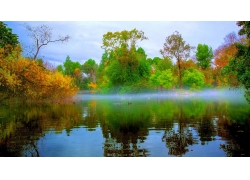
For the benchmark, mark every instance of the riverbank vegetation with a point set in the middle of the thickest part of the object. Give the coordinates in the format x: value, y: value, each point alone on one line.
x: 29, y: 80
x: 125, y: 67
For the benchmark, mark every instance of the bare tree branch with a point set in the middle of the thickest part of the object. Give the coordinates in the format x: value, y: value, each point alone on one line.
x: 42, y: 35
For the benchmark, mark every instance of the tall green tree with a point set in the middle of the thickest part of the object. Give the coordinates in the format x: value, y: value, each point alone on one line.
x: 204, y: 56
x: 176, y: 47
x: 90, y: 68
x: 111, y: 40
x: 70, y: 66
x: 74, y: 70
x: 125, y: 65
x: 240, y: 64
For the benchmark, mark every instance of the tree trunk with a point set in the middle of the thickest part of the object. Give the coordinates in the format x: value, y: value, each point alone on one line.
x: 179, y: 68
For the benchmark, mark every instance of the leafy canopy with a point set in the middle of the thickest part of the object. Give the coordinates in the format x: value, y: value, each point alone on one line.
x: 204, y: 56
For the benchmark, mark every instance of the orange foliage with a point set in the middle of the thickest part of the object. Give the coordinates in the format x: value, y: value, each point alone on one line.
x: 225, y: 52
x: 29, y: 80
x: 77, y: 73
x: 209, y: 76
x: 188, y: 64
x: 223, y: 55
x: 93, y: 86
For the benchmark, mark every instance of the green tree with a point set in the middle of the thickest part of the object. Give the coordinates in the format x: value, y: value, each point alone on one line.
x: 70, y: 66
x: 7, y: 37
x: 74, y: 70
x: 166, y: 79
x: 245, y: 29
x: 162, y: 79
x: 165, y: 64
x: 8, y: 40
x: 204, y: 56
x: 154, y: 78
x: 239, y: 65
x: 193, y: 78
x: 176, y: 47
x: 60, y: 69
x: 90, y: 68
x: 124, y: 64
x: 111, y: 40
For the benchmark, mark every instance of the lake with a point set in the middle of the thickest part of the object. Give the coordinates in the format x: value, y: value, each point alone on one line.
x: 208, y: 124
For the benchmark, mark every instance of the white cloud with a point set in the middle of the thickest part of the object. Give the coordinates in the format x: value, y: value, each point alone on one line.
x: 86, y: 37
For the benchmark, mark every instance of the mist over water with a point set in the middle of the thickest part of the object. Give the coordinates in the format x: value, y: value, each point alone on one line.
x: 158, y: 124
x: 210, y: 94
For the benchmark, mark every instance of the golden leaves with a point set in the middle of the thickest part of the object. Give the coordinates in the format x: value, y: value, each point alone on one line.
x: 28, y: 79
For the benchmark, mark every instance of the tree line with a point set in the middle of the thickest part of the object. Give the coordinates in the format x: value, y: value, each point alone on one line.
x: 125, y: 67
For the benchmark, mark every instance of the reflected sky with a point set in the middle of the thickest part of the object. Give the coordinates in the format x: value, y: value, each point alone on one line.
x: 150, y: 126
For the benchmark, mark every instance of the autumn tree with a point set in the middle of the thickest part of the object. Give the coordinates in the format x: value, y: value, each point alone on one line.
x: 27, y: 80
x: 226, y: 51
x: 204, y: 56
x: 42, y: 36
x: 176, y: 47
x: 222, y: 56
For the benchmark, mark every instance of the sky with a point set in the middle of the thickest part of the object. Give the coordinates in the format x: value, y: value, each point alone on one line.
x: 86, y: 24
x: 86, y: 36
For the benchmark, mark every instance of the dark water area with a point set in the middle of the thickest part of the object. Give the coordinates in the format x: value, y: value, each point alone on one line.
x: 211, y: 124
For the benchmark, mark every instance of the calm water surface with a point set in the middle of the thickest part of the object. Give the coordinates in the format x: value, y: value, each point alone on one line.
x: 156, y: 125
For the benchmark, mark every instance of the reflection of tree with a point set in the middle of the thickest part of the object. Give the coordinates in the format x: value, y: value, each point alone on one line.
x: 23, y: 141
x: 206, y: 129
x: 178, y: 141
x: 125, y: 147
x: 236, y: 133
x: 21, y: 129
x: 124, y: 136
x: 124, y: 127
x: 89, y: 115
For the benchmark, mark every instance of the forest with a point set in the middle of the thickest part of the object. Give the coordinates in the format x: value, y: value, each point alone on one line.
x: 124, y: 67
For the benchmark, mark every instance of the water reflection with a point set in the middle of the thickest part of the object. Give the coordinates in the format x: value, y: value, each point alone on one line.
x: 113, y: 128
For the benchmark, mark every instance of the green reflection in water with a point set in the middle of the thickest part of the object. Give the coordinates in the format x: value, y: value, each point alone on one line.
x: 188, y: 125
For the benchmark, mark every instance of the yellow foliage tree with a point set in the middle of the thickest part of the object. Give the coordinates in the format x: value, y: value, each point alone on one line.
x: 93, y: 87
x: 29, y: 80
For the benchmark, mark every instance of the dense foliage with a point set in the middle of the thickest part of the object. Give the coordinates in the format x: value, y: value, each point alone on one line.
x: 204, y: 56
x: 125, y: 67
x: 29, y: 80
x: 176, y: 47
x: 239, y: 65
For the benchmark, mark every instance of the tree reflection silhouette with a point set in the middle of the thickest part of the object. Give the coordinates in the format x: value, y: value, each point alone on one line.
x: 177, y: 141
x: 21, y: 130
x: 234, y: 128
x: 125, y: 136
